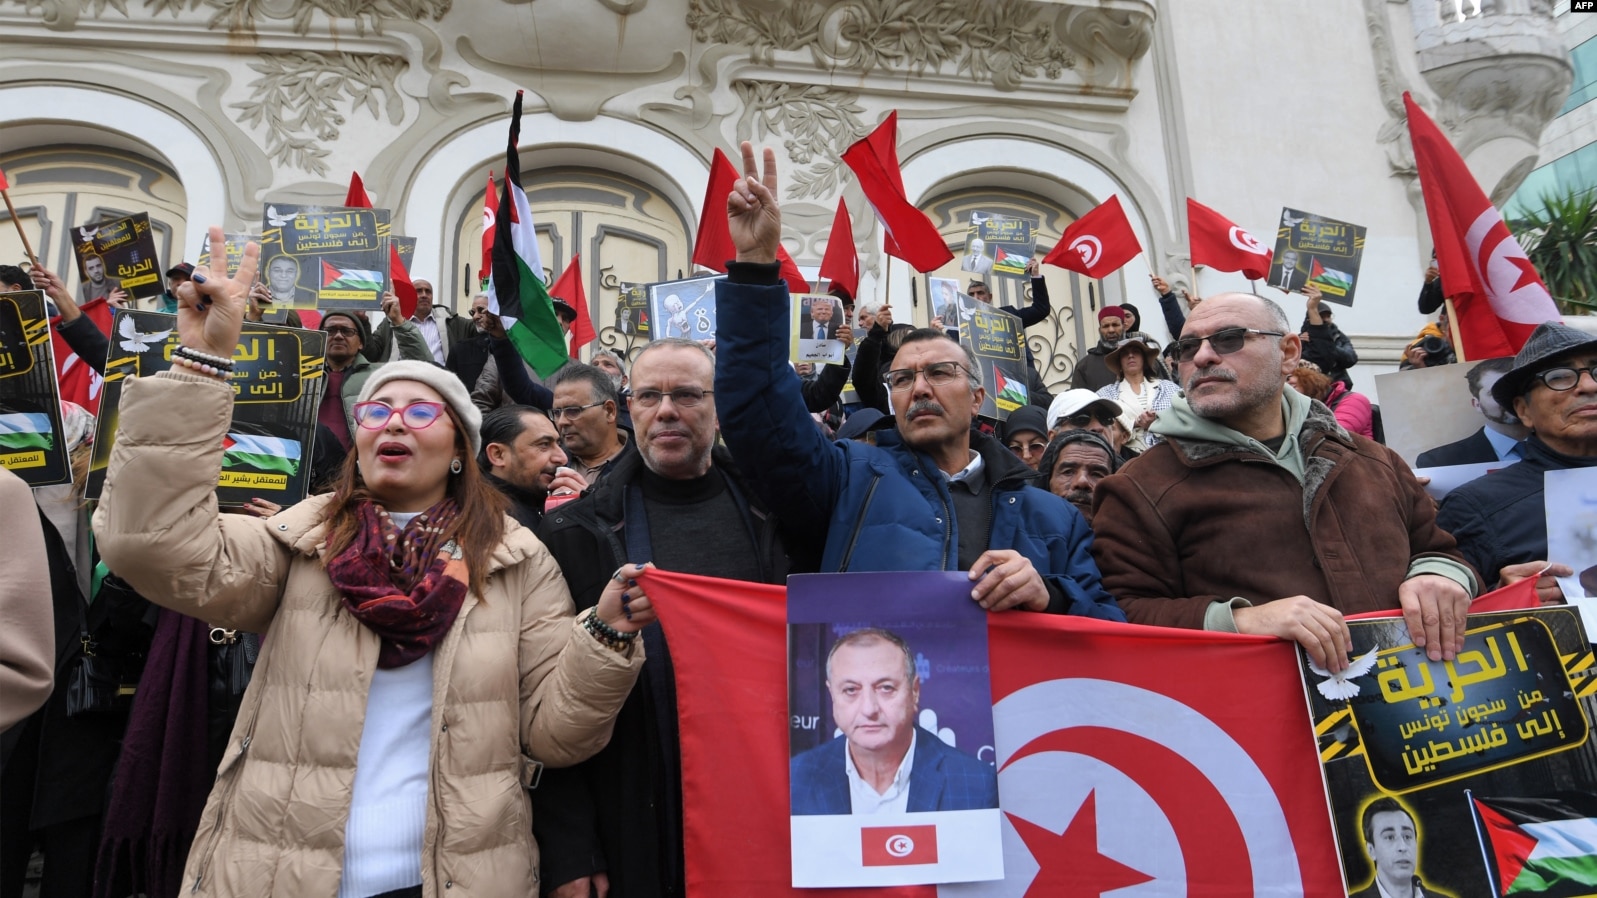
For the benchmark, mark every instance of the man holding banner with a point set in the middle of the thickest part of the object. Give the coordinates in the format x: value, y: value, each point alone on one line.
x: 920, y: 503
x: 1249, y: 469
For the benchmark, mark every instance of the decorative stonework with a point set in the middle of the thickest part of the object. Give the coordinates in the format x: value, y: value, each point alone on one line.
x: 297, y: 96
x: 244, y: 16
x: 817, y: 124
x: 1004, y: 42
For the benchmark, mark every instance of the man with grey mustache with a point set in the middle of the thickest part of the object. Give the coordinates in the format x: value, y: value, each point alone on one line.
x: 1260, y: 514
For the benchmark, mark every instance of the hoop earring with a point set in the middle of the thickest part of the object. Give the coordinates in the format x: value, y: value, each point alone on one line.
x: 454, y: 466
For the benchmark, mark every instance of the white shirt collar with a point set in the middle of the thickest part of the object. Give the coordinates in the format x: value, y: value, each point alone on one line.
x: 863, y: 797
x: 970, y: 470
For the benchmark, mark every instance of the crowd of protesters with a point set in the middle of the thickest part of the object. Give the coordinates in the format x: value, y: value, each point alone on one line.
x: 360, y: 694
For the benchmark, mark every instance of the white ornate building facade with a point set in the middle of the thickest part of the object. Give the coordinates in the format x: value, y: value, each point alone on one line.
x: 199, y: 111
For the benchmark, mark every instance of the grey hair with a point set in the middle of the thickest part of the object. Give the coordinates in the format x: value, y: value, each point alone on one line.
x: 613, y: 356
x: 680, y: 343
x: 867, y: 636
x: 598, y: 380
x: 869, y: 307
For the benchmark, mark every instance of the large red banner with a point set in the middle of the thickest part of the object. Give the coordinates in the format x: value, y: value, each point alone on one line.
x: 1179, y: 760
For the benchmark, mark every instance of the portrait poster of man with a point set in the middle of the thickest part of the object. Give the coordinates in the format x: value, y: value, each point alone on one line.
x: 997, y: 339
x: 277, y: 385
x: 31, y: 442
x: 235, y: 244
x: 816, y: 317
x: 1314, y: 248
x: 684, y: 308
x: 632, y: 310
x: 118, y: 253
x: 891, y: 736
x: 998, y: 243
x: 1444, y: 423
x: 1422, y: 758
x: 317, y: 257
x: 1571, y: 497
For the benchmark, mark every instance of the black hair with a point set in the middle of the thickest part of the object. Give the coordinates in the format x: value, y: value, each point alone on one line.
x: 604, y: 389
x: 15, y: 276
x: 502, y: 425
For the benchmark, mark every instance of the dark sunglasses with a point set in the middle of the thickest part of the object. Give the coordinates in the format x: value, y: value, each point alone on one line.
x: 1223, y: 342
x: 1082, y: 419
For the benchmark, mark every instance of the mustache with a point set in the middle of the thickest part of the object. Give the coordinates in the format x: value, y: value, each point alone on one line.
x: 924, y: 405
x: 1214, y: 372
x: 1079, y: 497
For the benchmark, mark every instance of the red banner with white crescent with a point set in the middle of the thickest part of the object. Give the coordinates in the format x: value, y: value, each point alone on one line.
x: 1176, y: 761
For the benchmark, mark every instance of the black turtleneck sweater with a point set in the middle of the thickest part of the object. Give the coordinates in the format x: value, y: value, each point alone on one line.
x: 694, y: 525
x: 526, y: 506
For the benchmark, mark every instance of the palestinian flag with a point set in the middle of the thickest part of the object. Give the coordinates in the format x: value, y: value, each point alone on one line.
x: 350, y: 279
x: 1542, y: 846
x: 262, y: 453
x: 1339, y: 280
x: 516, y: 292
x: 25, y: 432
x: 1008, y: 394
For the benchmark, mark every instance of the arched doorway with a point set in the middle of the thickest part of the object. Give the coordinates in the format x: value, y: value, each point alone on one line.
x: 626, y: 232
x: 56, y: 188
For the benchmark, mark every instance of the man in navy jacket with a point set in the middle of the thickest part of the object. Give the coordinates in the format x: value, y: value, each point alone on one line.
x: 935, y: 497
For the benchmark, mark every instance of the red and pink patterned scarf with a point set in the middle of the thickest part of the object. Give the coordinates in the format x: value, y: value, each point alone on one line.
x: 405, y: 586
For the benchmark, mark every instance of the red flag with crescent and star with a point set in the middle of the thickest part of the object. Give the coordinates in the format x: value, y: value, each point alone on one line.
x: 1097, y: 244
x: 79, y: 382
x: 1217, y: 241
x: 1497, y: 295
x: 1181, y: 761
x: 490, y: 211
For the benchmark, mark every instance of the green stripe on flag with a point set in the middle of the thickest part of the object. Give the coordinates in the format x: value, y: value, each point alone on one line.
x: 1555, y: 876
x: 25, y: 442
x: 232, y: 459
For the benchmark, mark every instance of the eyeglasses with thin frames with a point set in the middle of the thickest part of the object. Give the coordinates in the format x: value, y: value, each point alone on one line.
x: 374, y: 414
x: 681, y: 397
x: 937, y: 374
x: 571, y: 411
x: 1224, y: 341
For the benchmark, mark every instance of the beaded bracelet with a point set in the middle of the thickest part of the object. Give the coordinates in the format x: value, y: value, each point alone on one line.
x: 607, y: 635
x: 200, y: 367
x: 215, y: 361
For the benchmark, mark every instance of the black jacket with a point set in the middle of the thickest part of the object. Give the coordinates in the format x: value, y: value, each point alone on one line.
x: 620, y: 812
x: 1329, y: 348
x: 1501, y: 519
x: 1474, y: 449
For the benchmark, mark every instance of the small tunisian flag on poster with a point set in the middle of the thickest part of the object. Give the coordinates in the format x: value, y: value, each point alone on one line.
x: 79, y: 382
x: 1097, y: 244
x: 911, y: 236
x: 713, y: 246
x: 1217, y: 242
x: 1497, y: 294
x: 1126, y: 755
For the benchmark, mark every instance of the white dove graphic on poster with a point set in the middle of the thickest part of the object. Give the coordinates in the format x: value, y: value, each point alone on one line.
x: 88, y: 234
x: 275, y: 218
x: 134, y: 341
x: 1337, y: 687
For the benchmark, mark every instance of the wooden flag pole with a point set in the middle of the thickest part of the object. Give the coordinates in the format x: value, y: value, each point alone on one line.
x: 26, y: 246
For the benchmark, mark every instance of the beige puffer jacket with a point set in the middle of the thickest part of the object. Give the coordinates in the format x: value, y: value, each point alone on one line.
x: 515, y: 676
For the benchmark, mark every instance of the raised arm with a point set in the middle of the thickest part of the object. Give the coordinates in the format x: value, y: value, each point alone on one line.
x: 758, y: 399
x: 158, y: 526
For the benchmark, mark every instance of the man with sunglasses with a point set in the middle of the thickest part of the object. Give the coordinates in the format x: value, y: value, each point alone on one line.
x: 615, y: 822
x: 1501, y: 520
x: 1086, y: 410
x: 933, y: 496
x: 1258, y: 513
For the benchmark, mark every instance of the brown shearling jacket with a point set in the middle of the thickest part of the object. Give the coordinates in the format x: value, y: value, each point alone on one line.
x: 514, y: 677
x: 1191, y: 522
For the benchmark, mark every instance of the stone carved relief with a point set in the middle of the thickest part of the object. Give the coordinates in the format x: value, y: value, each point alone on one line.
x: 1389, y: 78
x: 243, y: 16
x: 817, y: 123
x: 1108, y: 42
x: 296, y: 100
x: 1004, y: 42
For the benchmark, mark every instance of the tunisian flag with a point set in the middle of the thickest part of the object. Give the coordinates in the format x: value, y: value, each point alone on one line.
x: 79, y: 382
x: 840, y: 265
x: 403, y: 288
x: 568, y: 286
x: 1497, y: 294
x: 1097, y: 244
x: 1217, y: 242
x: 713, y: 246
x: 490, y: 211
x: 1126, y: 755
x: 911, y: 236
